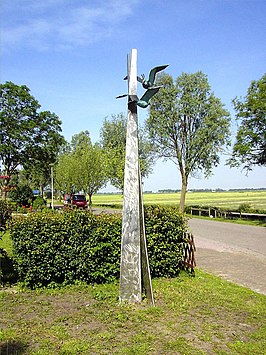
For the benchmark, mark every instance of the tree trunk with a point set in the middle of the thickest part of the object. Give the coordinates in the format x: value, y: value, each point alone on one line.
x: 41, y: 190
x: 5, y: 188
x: 90, y: 202
x: 183, y: 193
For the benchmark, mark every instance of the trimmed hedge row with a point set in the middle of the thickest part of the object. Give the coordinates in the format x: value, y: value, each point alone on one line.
x: 65, y: 247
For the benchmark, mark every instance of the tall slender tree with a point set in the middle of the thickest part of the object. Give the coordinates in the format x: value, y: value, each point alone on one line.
x: 188, y: 125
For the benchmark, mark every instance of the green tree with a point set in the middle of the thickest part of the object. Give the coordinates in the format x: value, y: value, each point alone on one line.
x: 82, y: 168
x: 188, y: 125
x: 28, y: 138
x: 64, y: 173
x: 113, y: 141
x: 91, y: 167
x: 250, y: 146
x: 38, y: 169
x: 80, y: 140
x: 65, y: 169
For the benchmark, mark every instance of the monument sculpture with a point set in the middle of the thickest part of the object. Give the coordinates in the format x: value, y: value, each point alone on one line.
x: 134, y: 267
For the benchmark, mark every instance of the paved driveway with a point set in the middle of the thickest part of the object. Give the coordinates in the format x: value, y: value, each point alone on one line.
x: 232, y: 251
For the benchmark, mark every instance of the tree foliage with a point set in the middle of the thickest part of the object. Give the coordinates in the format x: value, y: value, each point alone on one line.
x: 65, y: 173
x: 79, y: 140
x: 82, y: 168
x: 188, y: 125
x: 113, y: 140
x: 91, y: 169
x: 22, y: 195
x: 250, y: 146
x: 28, y: 138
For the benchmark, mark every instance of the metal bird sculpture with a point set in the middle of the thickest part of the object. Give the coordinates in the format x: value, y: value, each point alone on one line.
x: 149, y: 93
x: 151, y: 90
x: 145, y: 98
x: 149, y: 83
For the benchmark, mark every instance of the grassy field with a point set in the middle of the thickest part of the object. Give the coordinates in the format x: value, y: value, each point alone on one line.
x: 230, y: 199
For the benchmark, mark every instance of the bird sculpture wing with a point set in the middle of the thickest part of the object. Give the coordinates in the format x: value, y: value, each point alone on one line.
x: 132, y: 98
x: 149, y: 94
x: 154, y: 71
x: 120, y: 96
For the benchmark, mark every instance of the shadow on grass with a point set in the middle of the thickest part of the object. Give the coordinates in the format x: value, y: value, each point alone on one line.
x: 8, y: 274
x: 13, y: 347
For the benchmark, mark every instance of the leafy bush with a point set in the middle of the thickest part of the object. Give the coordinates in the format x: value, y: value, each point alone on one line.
x: 245, y: 207
x: 65, y: 247
x: 165, y: 232
x: 5, y: 214
x: 22, y: 195
x: 39, y: 203
x: 5, y: 217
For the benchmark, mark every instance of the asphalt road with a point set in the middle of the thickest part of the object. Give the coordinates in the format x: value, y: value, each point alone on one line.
x: 232, y: 251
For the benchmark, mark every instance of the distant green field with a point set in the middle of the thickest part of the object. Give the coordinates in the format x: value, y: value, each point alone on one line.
x: 226, y: 199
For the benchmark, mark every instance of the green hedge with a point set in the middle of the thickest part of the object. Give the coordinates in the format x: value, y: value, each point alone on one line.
x: 165, y: 231
x: 54, y: 247
x: 5, y: 215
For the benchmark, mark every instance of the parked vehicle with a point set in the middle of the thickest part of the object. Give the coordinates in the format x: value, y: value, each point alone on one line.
x: 67, y: 199
x: 79, y: 201
x: 75, y: 201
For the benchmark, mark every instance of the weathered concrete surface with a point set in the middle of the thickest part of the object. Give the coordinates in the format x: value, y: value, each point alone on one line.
x: 234, y: 252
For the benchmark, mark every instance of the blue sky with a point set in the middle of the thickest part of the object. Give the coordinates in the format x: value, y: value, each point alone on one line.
x: 72, y: 56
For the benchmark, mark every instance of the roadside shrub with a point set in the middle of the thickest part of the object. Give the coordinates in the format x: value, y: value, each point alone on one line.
x: 48, y: 194
x: 245, y: 207
x: 5, y: 215
x: 65, y: 247
x: 165, y: 232
x: 22, y: 195
x: 39, y: 203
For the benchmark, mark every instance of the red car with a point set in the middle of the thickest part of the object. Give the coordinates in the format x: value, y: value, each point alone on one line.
x: 78, y: 201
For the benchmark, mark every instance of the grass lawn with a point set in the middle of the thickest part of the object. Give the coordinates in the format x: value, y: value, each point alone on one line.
x: 227, y: 199
x: 192, y: 315
x: 200, y: 315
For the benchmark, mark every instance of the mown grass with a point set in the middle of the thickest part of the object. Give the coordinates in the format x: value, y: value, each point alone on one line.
x: 225, y: 199
x: 192, y: 315
x: 200, y: 315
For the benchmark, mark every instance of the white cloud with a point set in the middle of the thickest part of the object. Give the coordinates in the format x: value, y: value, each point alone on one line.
x: 60, y: 24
